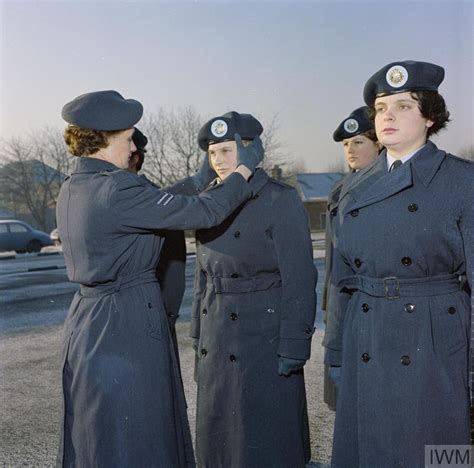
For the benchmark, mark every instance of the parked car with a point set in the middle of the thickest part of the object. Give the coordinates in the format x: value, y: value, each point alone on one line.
x: 20, y: 236
x: 54, y: 236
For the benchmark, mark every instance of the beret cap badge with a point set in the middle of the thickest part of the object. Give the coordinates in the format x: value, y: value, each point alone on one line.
x: 351, y: 125
x: 397, y: 76
x: 219, y: 128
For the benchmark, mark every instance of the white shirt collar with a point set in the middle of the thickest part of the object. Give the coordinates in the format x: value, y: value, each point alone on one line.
x: 391, y: 159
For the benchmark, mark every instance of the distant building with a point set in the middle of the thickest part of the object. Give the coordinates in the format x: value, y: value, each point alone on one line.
x: 314, y: 190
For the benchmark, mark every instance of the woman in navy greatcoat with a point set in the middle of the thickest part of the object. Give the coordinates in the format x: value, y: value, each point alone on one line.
x: 124, y: 404
x: 252, y: 319
x: 405, y: 238
x: 361, y: 148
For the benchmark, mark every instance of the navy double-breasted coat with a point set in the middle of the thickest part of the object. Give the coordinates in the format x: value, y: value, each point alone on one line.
x: 254, y: 300
x: 403, y: 240
x: 124, y: 402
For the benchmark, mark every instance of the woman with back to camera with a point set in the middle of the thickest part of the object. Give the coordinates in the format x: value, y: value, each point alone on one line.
x: 405, y: 236
x: 361, y: 148
x: 252, y: 318
x: 123, y: 398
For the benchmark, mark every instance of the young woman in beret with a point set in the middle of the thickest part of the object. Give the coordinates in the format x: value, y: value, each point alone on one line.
x: 124, y: 404
x: 405, y: 238
x: 252, y: 317
x: 361, y: 148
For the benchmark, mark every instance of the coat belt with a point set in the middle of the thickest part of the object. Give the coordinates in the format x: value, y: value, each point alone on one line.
x: 393, y: 287
x: 245, y: 284
x: 122, y: 282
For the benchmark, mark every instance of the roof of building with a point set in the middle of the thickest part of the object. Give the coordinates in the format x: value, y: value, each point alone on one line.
x: 316, y: 186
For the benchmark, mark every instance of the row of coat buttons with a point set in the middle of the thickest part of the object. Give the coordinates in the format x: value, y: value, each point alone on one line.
x: 412, y: 207
x: 405, y: 360
x: 408, y: 308
x: 406, y: 261
x: 232, y: 316
x: 232, y: 357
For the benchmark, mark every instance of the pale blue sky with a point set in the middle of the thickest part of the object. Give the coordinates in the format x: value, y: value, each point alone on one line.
x: 306, y: 61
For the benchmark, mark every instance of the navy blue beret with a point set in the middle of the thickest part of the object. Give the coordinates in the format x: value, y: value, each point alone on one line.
x: 399, y: 77
x: 140, y: 140
x: 223, y: 128
x: 358, y: 122
x: 102, y: 110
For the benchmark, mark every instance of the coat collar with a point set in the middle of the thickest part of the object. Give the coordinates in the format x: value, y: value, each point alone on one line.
x: 84, y: 165
x: 375, y: 183
x: 258, y: 180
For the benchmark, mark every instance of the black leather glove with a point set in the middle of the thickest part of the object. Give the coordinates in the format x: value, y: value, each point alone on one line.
x: 251, y: 155
x: 204, y: 176
x: 288, y: 365
x: 334, y: 373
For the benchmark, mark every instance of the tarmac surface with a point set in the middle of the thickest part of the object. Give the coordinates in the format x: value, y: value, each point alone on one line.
x: 34, y: 297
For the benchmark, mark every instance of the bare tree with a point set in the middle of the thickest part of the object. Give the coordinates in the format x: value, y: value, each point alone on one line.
x: 297, y: 166
x: 275, y: 153
x: 32, y: 172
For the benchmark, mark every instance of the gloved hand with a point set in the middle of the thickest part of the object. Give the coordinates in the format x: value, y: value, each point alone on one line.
x: 251, y: 155
x: 195, y: 344
x: 334, y: 373
x: 204, y: 176
x: 288, y: 365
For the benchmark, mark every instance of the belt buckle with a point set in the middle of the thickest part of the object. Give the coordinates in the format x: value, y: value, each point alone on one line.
x: 395, y: 284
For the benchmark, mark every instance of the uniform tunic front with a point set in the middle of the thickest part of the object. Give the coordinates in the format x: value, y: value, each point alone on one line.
x: 124, y: 402
x: 403, y: 240
x: 254, y: 300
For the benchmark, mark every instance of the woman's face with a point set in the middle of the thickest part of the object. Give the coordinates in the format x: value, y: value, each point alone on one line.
x: 399, y: 125
x: 360, y: 151
x: 223, y: 158
x: 120, y: 149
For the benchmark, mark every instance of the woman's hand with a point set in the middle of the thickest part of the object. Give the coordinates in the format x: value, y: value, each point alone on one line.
x: 251, y: 155
x: 288, y: 365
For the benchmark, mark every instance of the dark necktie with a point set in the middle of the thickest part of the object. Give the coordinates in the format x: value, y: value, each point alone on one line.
x: 395, y: 165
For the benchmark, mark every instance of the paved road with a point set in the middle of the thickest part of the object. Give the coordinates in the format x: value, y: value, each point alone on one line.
x: 35, y: 291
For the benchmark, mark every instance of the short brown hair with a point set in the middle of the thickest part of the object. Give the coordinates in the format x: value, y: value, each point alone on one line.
x: 432, y: 107
x: 84, y: 141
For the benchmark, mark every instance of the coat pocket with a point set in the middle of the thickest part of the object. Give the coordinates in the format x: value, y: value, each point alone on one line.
x: 449, y: 323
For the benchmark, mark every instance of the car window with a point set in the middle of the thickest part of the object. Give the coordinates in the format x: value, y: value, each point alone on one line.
x: 18, y: 228
x: 3, y: 228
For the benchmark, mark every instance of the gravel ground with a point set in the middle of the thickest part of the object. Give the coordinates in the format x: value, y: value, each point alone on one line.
x: 30, y: 396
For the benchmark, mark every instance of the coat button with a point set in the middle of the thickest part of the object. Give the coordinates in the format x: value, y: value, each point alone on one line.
x: 412, y: 207
x: 204, y: 311
x: 452, y: 310
x: 270, y: 310
x: 405, y: 360
x: 355, y: 213
x: 365, y: 307
x: 203, y: 352
x: 150, y: 305
x: 237, y: 234
x: 234, y: 275
x: 334, y: 212
x: 233, y: 316
x: 409, y: 308
x: 357, y: 262
x: 365, y: 357
x: 232, y: 358
x: 308, y: 330
x: 406, y: 261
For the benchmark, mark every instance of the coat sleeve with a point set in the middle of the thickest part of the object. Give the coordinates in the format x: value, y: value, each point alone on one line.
x: 338, y: 302
x: 171, y: 272
x: 466, y: 226
x: 292, y: 238
x: 198, y: 291
x: 141, y: 207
